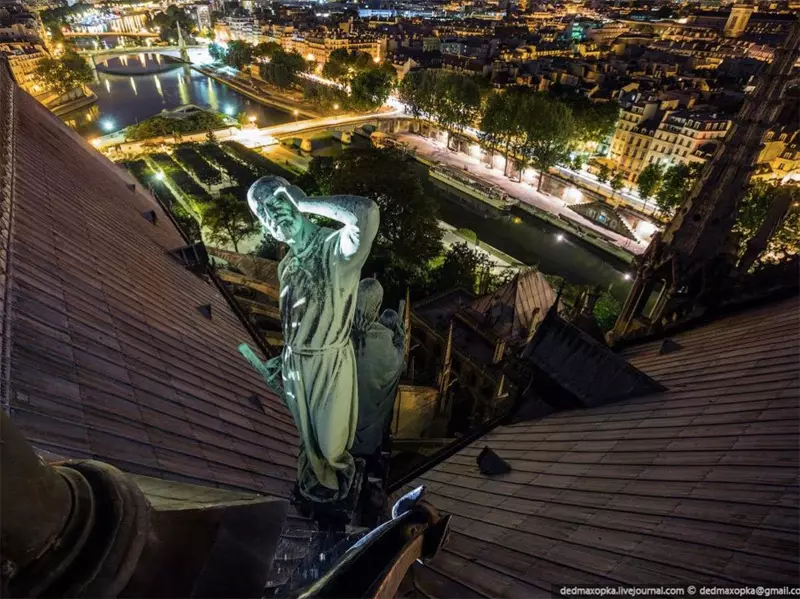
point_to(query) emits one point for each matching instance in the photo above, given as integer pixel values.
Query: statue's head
(272, 202)
(368, 302)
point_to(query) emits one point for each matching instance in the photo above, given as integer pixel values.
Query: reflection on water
(102, 24)
(125, 100)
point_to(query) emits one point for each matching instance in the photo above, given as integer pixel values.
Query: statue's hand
(269, 371)
(392, 321)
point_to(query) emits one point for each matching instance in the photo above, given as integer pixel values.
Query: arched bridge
(74, 34)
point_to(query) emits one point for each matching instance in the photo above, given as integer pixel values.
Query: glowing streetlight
(160, 175)
(376, 59)
(229, 110)
(559, 237)
(336, 107)
(627, 276)
(108, 125)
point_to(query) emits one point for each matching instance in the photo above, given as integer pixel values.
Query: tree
(617, 181)
(239, 54)
(283, 68)
(65, 73)
(451, 99)
(603, 173)
(650, 180)
(408, 236)
(267, 49)
(167, 22)
(467, 268)
(339, 66)
(548, 128)
(324, 96)
(370, 89)
(229, 220)
(678, 179)
(501, 122)
(216, 52)
(606, 311)
(416, 92)
(456, 101)
(594, 121)
(751, 213)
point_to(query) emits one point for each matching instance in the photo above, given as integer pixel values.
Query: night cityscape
(399, 298)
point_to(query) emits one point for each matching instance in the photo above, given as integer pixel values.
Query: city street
(525, 192)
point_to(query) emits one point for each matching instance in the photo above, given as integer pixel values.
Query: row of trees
(667, 184)
(276, 66)
(451, 99)
(529, 128)
(369, 84)
(160, 126)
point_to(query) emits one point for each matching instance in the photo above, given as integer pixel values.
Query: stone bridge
(197, 54)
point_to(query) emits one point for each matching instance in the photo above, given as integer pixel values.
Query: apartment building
(686, 136)
(23, 58)
(658, 131)
(318, 48)
(243, 28)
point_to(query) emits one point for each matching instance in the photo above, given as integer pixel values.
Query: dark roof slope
(694, 485)
(517, 307)
(109, 355)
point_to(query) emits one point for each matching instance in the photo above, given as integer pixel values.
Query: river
(123, 100)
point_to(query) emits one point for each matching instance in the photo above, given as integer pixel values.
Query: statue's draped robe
(317, 303)
(380, 354)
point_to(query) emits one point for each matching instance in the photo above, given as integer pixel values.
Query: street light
(296, 113)
(160, 175)
(336, 107)
(108, 125)
(559, 237)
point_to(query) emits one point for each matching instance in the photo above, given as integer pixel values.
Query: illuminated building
(656, 131)
(738, 19)
(202, 16)
(24, 58)
(318, 48)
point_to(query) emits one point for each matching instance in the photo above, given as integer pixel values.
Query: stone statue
(316, 373)
(379, 345)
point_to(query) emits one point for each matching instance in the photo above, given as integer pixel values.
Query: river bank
(259, 94)
(524, 198)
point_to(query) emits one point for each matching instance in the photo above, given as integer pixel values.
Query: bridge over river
(197, 54)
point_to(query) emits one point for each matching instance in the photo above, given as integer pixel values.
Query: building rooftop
(693, 485)
(110, 353)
